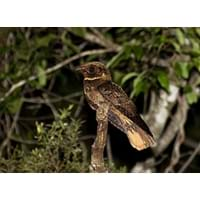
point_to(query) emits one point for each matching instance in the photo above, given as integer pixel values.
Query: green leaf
(14, 105)
(163, 79)
(195, 45)
(196, 62)
(198, 67)
(117, 76)
(115, 60)
(127, 51)
(191, 97)
(197, 31)
(42, 79)
(187, 89)
(124, 54)
(182, 69)
(79, 31)
(44, 41)
(138, 51)
(180, 36)
(69, 43)
(128, 77)
(162, 39)
(176, 45)
(140, 84)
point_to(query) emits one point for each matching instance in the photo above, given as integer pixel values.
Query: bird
(100, 90)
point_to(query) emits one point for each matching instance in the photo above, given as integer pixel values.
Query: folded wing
(123, 115)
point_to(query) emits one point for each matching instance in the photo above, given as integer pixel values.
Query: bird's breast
(94, 97)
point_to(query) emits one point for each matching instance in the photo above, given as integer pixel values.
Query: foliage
(58, 149)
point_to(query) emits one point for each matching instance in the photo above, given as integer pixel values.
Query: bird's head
(95, 71)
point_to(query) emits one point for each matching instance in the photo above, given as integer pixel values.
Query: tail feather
(140, 141)
(138, 137)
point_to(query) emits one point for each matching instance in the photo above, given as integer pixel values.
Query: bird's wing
(116, 95)
(123, 115)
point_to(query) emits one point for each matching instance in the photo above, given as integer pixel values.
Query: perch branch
(54, 68)
(97, 159)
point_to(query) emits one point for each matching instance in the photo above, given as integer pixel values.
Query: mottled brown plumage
(100, 90)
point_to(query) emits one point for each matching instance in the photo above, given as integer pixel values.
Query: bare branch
(190, 159)
(51, 106)
(10, 131)
(54, 68)
(19, 140)
(80, 105)
(99, 38)
(176, 151)
(39, 100)
(191, 144)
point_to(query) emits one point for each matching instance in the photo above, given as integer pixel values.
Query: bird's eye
(91, 70)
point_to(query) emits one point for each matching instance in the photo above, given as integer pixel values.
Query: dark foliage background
(45, 123)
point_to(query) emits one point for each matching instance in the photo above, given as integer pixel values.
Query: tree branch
(160, 109)
(190, 159)
(54, 68)
(174, 125)
(10, 131)
(97, 160)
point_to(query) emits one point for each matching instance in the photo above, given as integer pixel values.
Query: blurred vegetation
(41, 119)
(57, 149)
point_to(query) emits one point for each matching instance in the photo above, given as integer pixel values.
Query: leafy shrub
(58, 149)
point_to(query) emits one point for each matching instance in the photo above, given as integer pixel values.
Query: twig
(98, 38)
(10, 131)
(39, 118)
(54, 68)
(190, 159)
(176, 151)
(178, 118)
(80, 105)
(191, 144)
(97, 158)
(51, 84)
(109, 151)
(29, 142)
(160, 109)
(87, 137)
(51, 106)
(180, 137)
(39, 100)
(102, 40)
